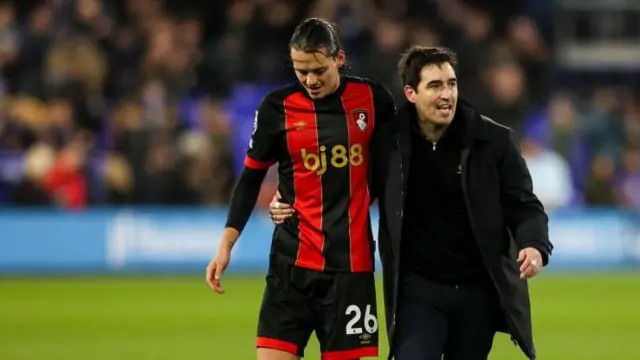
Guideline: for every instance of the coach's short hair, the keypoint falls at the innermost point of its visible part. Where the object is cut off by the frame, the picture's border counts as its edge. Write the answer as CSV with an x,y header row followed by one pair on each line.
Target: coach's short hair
x,y
417,57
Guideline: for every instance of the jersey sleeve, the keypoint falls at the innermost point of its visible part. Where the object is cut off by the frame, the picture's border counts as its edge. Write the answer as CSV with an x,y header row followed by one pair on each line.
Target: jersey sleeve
x,y
244,197
261,153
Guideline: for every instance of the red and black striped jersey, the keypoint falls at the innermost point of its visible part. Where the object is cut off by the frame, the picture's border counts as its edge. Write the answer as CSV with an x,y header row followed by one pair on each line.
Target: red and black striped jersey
x,y
322,150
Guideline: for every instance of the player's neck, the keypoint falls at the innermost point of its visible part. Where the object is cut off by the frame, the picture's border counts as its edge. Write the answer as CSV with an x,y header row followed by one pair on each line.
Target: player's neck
x,y
336,86
431,131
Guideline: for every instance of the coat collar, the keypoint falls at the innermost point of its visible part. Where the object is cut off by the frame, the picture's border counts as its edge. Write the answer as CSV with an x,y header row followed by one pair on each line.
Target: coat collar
x,y
474,127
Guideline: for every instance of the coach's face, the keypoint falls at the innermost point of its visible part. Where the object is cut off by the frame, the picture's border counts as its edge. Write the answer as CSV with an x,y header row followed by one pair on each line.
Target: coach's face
x,y
317,72
436,96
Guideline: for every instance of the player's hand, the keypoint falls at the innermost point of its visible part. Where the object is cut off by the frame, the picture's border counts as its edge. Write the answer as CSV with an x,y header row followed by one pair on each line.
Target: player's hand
x,y
216,268
279,211
530,261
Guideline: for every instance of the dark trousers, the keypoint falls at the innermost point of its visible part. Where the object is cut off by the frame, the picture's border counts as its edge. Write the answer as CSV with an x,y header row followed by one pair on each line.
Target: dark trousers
x,y
457,321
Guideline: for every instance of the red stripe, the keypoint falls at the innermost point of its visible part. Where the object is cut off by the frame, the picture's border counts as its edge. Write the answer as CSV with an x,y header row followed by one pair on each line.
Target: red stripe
x,y
368,351
263,342
302,134
256,164
357,98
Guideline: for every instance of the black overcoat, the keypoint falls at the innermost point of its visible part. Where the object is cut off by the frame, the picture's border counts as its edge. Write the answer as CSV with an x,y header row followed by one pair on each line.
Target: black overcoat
x,y
505,214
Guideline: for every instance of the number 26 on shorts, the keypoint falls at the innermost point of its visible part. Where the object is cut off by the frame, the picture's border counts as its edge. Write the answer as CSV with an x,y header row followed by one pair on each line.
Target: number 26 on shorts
x,y
370,321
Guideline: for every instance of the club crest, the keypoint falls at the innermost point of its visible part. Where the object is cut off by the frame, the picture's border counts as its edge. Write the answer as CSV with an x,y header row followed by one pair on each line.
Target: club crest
x,y
361,117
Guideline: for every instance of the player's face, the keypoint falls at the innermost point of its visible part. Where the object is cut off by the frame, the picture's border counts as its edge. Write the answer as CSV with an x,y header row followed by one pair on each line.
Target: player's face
x,y
316,72
436,96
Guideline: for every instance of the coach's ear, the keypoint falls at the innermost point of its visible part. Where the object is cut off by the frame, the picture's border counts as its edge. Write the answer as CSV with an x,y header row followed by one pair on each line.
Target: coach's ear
x,y
410,94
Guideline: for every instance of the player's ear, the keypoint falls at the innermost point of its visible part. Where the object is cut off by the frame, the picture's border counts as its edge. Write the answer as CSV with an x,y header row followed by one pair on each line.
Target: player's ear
x,y
409,93
341,58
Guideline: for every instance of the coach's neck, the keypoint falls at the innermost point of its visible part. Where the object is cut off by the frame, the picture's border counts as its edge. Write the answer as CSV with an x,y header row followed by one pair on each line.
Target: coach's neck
x,y
431,130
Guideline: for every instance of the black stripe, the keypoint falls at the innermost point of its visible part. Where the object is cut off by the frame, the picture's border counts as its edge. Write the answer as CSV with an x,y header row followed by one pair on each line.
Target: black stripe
x,y
333,133
286,236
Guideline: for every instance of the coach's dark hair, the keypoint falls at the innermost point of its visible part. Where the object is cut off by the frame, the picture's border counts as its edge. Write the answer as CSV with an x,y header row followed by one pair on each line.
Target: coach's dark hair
x,y
314,35
417,57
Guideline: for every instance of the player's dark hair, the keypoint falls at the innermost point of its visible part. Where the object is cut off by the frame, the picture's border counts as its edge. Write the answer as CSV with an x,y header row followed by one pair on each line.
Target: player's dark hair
x,y
316,35
417,57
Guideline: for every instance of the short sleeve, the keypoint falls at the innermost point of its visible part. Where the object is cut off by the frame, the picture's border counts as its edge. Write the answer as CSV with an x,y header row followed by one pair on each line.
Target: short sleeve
x,y
261,153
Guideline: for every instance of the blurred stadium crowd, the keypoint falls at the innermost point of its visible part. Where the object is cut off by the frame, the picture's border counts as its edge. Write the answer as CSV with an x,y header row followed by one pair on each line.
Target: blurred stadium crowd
x,y
108,102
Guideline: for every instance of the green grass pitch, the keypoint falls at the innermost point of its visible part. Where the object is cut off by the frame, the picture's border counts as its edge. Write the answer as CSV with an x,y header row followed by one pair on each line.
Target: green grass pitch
x,y
590,316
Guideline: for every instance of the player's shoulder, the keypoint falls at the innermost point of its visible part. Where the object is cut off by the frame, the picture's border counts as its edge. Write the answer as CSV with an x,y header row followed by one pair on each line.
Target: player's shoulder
x,y
363,80
271,107
379,90
358,79
278,95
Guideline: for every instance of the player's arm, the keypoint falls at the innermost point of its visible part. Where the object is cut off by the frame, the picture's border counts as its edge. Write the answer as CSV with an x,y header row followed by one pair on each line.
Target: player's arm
x,y
243,200
382,139
260,157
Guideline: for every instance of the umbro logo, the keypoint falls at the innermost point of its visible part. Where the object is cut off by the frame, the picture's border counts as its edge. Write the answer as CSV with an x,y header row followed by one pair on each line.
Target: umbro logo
x,y
299,125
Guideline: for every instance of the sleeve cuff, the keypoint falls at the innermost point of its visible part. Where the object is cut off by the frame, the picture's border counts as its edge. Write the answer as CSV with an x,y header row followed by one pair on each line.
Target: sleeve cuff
x,y
544,252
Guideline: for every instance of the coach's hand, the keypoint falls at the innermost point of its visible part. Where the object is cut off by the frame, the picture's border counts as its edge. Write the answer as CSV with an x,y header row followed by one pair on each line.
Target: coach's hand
x,y
530,261
279,211
218,265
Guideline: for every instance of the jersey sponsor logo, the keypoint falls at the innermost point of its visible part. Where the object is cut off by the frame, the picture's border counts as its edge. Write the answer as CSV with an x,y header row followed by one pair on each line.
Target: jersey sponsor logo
x,y
338,156
361,117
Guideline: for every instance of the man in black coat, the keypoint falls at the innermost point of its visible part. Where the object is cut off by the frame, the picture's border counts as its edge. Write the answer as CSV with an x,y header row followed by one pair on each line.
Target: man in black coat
x,y
460,243
460,229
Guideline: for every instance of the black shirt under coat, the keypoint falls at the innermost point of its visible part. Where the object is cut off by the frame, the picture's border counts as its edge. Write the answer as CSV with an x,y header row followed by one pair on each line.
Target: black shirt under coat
x,y
437,239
